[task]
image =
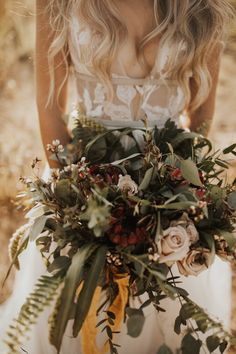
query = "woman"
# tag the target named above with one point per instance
(158, 58)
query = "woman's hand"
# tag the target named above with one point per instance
(52, 126)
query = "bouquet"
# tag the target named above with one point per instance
(125, 207)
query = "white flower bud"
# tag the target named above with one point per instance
(126, 184)
(56, 142)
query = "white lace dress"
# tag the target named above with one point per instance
(158, 98)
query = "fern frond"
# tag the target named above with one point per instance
(90, 123)
(15, 242)
(205, 322)
(53, 319)
(86, 128)
(41, 297)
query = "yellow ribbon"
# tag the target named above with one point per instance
(119, 304)
(89, 330)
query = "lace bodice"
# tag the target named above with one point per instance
(156, 96)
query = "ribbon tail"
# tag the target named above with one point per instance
(89, 330)
(118, 305)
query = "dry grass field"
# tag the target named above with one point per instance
(19, 133)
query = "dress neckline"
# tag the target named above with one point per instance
(126, 80)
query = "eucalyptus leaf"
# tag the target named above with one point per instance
(223, 346)
(37, 228)
(164, 349)
(184, 136)
(230, 238)
(230, 149)
(96, 149)
(59, 263)
(177, 327)
(177, 205)
(146, 179)
(37, 211)
(64, 192)
(88, 289)
(210, 242)
(232, 200)
(190, 172)
(159, 230)
(118, 162)
(72, 281)
(190, 345)
(135, 323)
(212, 343)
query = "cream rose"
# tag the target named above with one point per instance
(174, 244)
(189, 226)
(192, 232)
(126, 184)
(195, 262)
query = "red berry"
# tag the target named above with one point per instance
(132, 239)
(117, 229)
(124, 241)
(116, 239)
(200, 193)
(176, 174)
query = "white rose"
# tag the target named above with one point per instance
(174, 245)
(195, 262)
(126, 184)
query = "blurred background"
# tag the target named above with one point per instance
(19, 132)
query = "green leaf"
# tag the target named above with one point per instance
(88, 289)
(146, 179)
(96, 149)
(64, 192)
(212, 343)
(210, 242)
(190, 172)
(59, 263)
(178, 322)
(190, 345)
(184, 136)
(37, 227)
(177, 205)
(135, 322)
(118, 162)
(230, 149)
(223, 346)
(232, 200)
(164, 350)
(230, 238)
(159, 231)
(72, 281)
(36, 211)
(185, 313)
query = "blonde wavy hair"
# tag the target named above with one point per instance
(193, 29)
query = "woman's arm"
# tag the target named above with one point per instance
(201, 119)
(52, 125)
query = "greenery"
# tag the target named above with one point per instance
(114, 218)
